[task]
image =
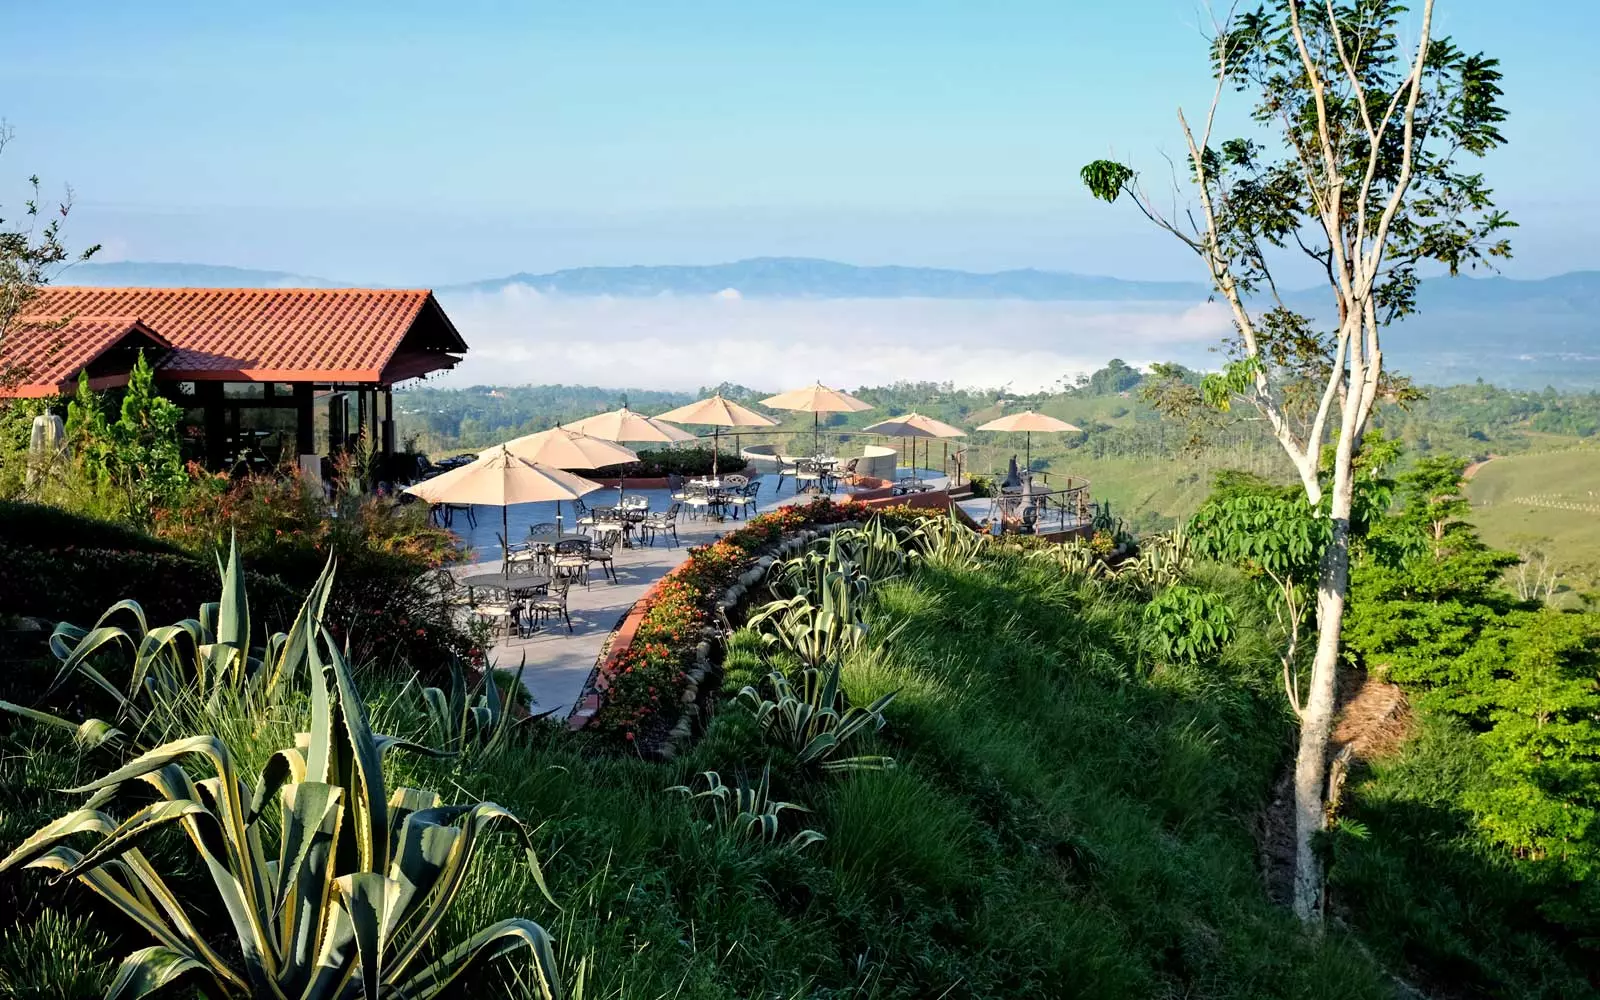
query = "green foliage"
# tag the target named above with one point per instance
(1184, 624)
(1107, 179)
(747, 811)
(1265, 528)
(54, 957)
(201, 656)
(131, 467)
(1427, 612)
(809, 716)
(350, 907)
(463, 720)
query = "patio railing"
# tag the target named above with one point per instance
(1048, 508)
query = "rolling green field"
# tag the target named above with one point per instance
(1544, 504)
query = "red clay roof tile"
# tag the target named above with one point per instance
(256, 334)
(42, 358)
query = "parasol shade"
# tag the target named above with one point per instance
(915, 425)
(563, 448)
(500, 479)
(816, 400)
(717, 412)
(626, 425)
(1029, 421)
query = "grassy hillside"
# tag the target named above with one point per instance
(1544, 504)
(1062, 822)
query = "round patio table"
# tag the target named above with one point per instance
(515, 583)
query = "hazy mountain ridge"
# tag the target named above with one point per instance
(802, 277)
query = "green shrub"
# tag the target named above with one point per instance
(1185, 624)
(42, 526)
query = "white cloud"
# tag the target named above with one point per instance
(519, 335)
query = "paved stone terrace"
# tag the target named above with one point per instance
(558, 664)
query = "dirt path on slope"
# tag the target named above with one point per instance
(1472, 470)
(1373, 721)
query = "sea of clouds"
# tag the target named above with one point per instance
(521, 336)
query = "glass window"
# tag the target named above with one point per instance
(244, 390)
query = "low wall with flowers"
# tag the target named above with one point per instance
(645, 687)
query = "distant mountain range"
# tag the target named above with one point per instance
(801, 277)
(1507, 331)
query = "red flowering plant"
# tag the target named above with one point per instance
(286, 527)
(642, 684)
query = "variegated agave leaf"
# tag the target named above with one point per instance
(348, 907)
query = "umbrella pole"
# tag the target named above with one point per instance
(558, 518)
(716, 435)
(816, 432)
(1030, 454)
(505, 534)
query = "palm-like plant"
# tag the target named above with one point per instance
(361, 881)
(206, 655)
(813, 721)
(748, 811)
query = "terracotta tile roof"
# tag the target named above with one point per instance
(41, 359)
(263, 334)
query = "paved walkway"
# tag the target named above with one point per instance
(558, 664)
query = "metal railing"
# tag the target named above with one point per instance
(1046, 509)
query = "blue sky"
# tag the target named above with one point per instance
(434, 142)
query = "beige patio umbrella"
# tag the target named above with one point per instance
(915, 425)
(498, 478)
(716, 412)
(626, 425)
(818, 399)
(563, 448)
(1029, 421)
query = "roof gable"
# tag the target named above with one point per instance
(44, 358)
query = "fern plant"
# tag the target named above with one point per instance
(747, 811)
(347, 910)
(811, 719)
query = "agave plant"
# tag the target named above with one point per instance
(349, 907)
(945, 541)
(826, 564)
(813, 720)
(877, 549)
(748, 811)
(206, 655)
(816, 634)
(1163, 559)
(1073, 556)
(461, 720)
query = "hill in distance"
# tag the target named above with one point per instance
(1503, 330)
(1577, 292)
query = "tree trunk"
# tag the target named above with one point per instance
(1316, 722)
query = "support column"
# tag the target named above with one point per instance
(388, 421)
(210, 397)
(305, 420)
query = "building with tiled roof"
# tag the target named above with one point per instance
(264, 374)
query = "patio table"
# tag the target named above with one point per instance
(514, 583)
